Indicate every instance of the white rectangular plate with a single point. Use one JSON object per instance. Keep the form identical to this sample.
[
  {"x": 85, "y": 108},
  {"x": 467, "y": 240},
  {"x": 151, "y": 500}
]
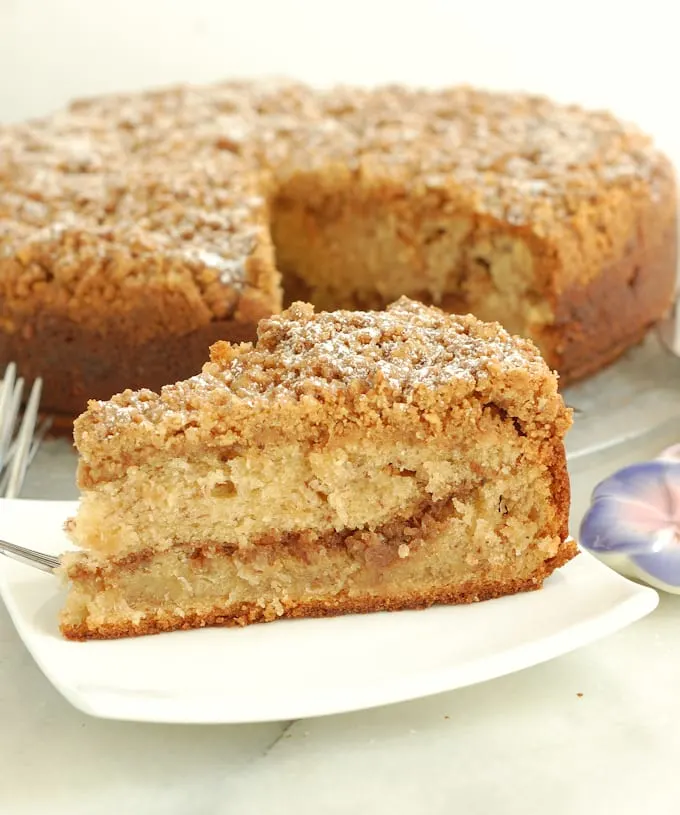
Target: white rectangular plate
[{"x": 300, "y": 668}]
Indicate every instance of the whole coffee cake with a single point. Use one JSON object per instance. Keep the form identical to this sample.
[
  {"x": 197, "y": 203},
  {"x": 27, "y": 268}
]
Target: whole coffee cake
[
  {"x": 350, "y": 461},
  {"x": 136, "y": 230}
]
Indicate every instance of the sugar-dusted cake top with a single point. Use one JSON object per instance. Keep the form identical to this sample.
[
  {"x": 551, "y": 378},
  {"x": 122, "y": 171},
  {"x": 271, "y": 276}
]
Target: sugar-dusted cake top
[
  {"x": 390, "y": 356},
  {"x": 516, "y": 157},
  {"x": 74, "y": 201},
  {"x": 405, "y": 347}
]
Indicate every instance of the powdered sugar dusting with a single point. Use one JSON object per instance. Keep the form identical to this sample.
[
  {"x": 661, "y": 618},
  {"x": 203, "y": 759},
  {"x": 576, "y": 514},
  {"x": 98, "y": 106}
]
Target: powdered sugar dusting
[
  {"x": 407, "y": 348},
  {"x": 187, "y": 165},
  {"x": 231, "y": 271}
]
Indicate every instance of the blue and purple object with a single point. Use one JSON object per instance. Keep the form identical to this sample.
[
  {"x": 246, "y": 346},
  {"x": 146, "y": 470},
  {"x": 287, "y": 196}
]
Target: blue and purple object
[{"x": 633, "y": 523}]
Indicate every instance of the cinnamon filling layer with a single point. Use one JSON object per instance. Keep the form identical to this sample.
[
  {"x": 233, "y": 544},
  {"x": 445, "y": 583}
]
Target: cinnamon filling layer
[{"x": 381, "y": 547}]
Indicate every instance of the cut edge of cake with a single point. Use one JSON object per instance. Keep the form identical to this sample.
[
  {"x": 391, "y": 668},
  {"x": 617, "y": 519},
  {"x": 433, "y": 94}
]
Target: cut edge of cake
[{"x": 349, "y": 462}]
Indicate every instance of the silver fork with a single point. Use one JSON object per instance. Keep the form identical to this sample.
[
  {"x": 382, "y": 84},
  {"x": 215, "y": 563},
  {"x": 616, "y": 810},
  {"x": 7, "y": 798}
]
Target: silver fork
[
  {"x": 46, "y": 563},
  {"x": 20, "y": 438}
]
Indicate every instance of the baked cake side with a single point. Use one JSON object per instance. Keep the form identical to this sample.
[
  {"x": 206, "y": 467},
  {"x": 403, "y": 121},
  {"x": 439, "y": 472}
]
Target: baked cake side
[
  {"x": 350, "y": 461},
  {"x": 158, "y": 210}
]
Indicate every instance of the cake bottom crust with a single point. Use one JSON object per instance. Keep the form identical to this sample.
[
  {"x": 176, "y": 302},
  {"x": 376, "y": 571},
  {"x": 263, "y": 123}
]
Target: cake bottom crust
[{"x": 242, "y": 614}]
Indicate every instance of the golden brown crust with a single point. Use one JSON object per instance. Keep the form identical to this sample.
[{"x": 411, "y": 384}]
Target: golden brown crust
[
  {"x": 556, "y": 460},
  {"x": 246, "y": 614}
]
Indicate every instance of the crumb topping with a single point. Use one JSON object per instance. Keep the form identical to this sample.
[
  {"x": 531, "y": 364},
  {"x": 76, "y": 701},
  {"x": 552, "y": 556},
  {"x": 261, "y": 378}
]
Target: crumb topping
[
  {"x": 406, "y": 349},
  {"x": 406, "y": 346},
  {"x": 183, "y": 174},
  {"x": 516, "y": 157},
  {"x": 71, "y": 204}
]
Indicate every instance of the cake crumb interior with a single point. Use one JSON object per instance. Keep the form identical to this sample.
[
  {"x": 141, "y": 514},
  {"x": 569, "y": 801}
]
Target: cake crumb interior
[{"x": 339, "y": 248}]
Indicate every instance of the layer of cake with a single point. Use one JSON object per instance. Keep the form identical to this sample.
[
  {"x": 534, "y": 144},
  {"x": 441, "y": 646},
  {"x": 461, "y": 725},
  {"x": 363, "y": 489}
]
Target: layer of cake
[
  {"x": 447, "y": 552},
  {"x": 507, "y": 205},
  {"x": 353, "y": 481}
]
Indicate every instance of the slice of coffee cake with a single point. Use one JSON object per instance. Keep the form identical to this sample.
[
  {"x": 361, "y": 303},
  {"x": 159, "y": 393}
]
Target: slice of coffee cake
[{"x": 349, "y": 462}]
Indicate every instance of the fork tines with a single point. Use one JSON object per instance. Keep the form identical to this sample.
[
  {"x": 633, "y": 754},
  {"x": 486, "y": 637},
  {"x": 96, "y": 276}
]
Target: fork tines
[
  {"x": 39, "y": 560},
  {"x": 19, "y": 437}
]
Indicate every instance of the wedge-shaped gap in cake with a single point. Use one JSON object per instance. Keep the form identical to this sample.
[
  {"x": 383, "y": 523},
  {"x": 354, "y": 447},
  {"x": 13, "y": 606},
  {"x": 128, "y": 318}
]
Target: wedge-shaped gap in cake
[{"x": 341, "y": 244}]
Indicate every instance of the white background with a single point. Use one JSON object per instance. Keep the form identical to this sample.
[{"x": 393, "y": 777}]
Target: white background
[{"x": 621, "y": 55}]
